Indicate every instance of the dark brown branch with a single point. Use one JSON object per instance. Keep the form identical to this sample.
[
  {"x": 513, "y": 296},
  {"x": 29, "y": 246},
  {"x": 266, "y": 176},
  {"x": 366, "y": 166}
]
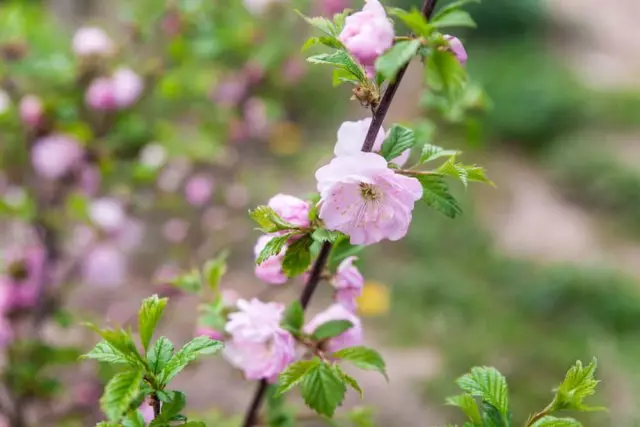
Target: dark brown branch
[{"x": 320, "y": 263}]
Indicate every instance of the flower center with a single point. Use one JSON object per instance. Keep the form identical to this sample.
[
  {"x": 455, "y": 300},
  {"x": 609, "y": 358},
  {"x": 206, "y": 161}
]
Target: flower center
[{"x": 369, "y": 192}]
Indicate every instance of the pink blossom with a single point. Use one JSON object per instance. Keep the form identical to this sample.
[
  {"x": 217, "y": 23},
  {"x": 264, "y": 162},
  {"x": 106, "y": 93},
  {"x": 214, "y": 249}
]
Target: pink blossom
[
  {"x": 100, "y": 95},
  {"x": 55, "y": 156},
  {"x": 89, "y": 180},
  {"x": 198, "y": 189},
  {"x": 108, "y": 214},
  {"x": 270, "y": 271},
  {"x": 362, "y": 197},
  {"x": 105, "y": 266},
  {"x": 457, "y": 48},
  {"x": 209, "y": 332},
  {"x": 258, "y": 345},
  {"x": 291, "y": 209},
  {"x": 331, "y": 7},
  {"x": 92, "y": 41},
  {"x": 351, "y": 337},
  {"x": 127, "y": 87},
  {"x": 348, "y": 283},
  {"x": 351, "y": 136},
  {"x": 23, "y": 277},
  {"x": 175, "y": 230},
  {"x": 367, "y": 34},
  {"x": 31, "y": 110}
]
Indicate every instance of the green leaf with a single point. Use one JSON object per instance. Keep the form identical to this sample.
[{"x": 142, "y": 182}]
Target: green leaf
[
  {"x": 397, "y": 57},
  {"x": 445, "y": 74},
  {"x": 149, "y": 316},
  {"x": 177, "y": 402},
  {"x": 436, "y": 194},
  {"x": 187, "y": 354},
  {"x": 269, "y": 221},
  {"x": 159, "y": 355},
  {"x": 469, "y": 406},
  {"x": 454, "y": 169},
  {"x": 298, "y": 256},
  {"x": 323, "y": 235},
  {"x": 341, "y": 75},
  {"x": 488, "y": 384},
  {"x": 322, "y": 24},
  {"x": 578, "y": 384},
  {"x": 103, "y": 352},
  {"x": 120, "y": 341},
  {"x": 455, "y": 18},
  {"x": 323, "y": 390},
  {"x": 328, "y": 41},
  {"x": 107, "y": 424},
  {"x": 454, "y": 6},
  {"x": 342, "y": 60},
  {"x": 550, "y": 421},
  {"x": 119, "y": 393},
  {"x": 189, "y": 282},
  {"x": 194, "y": 424},
  {"x": 433, "y": 152},
  {"x": 293, "y": 317},
  {"x": 477, "y": 174},
  {"x": 491, "y": 416},
  {"x": 294, "y": 374},
  {"x": 414, "y": 20},
  {"x": 364, "y": 358},
  {"x": 273, "y": 248},
  {"x": 399, "y": 140},
  {"x": 134, "y": 419},
  {"x": 349, "y": 380},
  {"x": 214, "y": 269},
  {"x": 342, "y": 249},
  {"x": 331, "y": 329}
]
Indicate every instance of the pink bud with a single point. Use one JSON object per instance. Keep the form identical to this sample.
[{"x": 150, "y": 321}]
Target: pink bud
[
  {"x": 291, "y": 209},
  {"x": 270, "y": 270},
  {"x": 104, "y": 266},
  {"x": 31, "y": 110},
  {"x": 92, "y": 41},
  {"x": 368, "y": 33},
  {"x": 100, "y": 95},
  {"x": 54, "y": 156},
  {"x": 198, "y": 189},
  {"x": 147, "y": 412},
  {"x": 127, "y": 87},
  {"x": 457, "y": 48}
]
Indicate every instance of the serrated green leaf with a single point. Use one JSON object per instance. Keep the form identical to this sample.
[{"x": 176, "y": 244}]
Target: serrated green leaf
[
  {"x": 579, "y": 383},
  {"x": 491, "y": 416},
  {"x": 364, "y": 358},
  {"x": 433, "y": 152},
  {"x": 453, "y": 6},
  {"x": 550, "y": 421},
  {"x": 469, "y": 406},
  {"x": 414, "y": 20},
  {"x": 349, "y": 380},
  {"x": 477, "y": 174},
  {"x": 331, "y": 329},
  {"x": 293, "y": 317},
  {"x": 134, "y": 419},
  {"x": 323, "y": 390},
  {"x": 103, "y": 352},
  {"x": 149, "y": 316},
  {"x": 445, "y": 74},
  {"x": 328, "y": 41},
  {"x": 189, "y": 282},
  {"x": 436, "y": 194},
  {"x": 294, "y": 374},
  {"x": 159, "y": 355},
  {"x": 269, "y": 221},
  {"x": 187, "y": 354},
  {"x": 322, "y": 24},
  {"x": 342, "y": 60},
  {"x": 488, "y": 384},
  {"x": 454, "y": 169},
  {"x": 122, "y": 342},
  {"x": 340, "y": 76},
  {"x": 399, "y": 140},
  {"x": 389, "y": 63},
  {"x": 297, "y": 258},
  {"x": 176, "y": 403},
  {"x": 454, "y": 18},
  {"x": 119, "y": 392},
  {"x": 274, "y": 246},
  {"x": 342, "y": 249},
  {"x": 322, "y": 235},
  {"x": 214, "y": 269}
]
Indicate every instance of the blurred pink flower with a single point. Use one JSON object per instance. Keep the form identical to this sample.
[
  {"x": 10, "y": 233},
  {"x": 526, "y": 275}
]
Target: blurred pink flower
[
  {"x": 457, "y": 48},
  {"x": 127, "y": 87},
  {"x": 100, "y": 95},
  {"x": 254, "y": 72},
  {"x": 258, "y": 7},
  {"x": 87, "y": 393},
  {"x": 363, "y": 198},
  {"x": 31, "y": 110},
  {"x": 255, "y": 117},
  {"x": 229, "y": 297},
  {"x": 351, "y": 136},
  {"x": 258, "y": 345},
  {"x": 89, "y": 180},
  {"x": 329, "y": 8},
  {"x": 229, "y": 92},
  {"x": 55, "y": 156},
  {"x": 175, "y": 230},
  {"x": 147, "y": 411},
  {"x": 209, "y": 332},
  {"x": 351, "y": 337},
  {"x": 198, "y": 189},
  {"x": 291, "y": 209},
  {"x": 367, "y": 34},
  {"x": 23, "y": 277},
  {"x": 107, "y": 214},
  {"x": 130, "y": 235},
  {"x": 270, "y": 271},
  {"x": 293, "y": 70},
  {"x": 104, "y": 265},
  {"x": 92, "y": 41},
  {"x": 348, "y": 283}
]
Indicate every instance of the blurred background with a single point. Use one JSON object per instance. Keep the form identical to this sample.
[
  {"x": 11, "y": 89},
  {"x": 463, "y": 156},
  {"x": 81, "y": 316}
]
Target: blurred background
[{"x": 536, "y": 273}]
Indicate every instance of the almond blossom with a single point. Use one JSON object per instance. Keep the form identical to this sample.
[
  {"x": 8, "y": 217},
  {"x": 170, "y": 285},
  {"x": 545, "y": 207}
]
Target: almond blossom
[
  {"x": 351, "y": 136},
  {"x": 349, "y": 338}
]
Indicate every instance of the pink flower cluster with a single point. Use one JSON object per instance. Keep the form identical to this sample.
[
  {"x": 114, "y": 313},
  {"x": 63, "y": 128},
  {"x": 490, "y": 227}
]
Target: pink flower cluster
[
  {"x": 367, "y": 34},
  {"x": 121, "y": 90}
]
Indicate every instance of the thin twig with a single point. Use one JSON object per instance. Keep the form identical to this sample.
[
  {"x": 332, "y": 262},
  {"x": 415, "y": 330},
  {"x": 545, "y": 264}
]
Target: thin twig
[{"x": 319, "y": 265}]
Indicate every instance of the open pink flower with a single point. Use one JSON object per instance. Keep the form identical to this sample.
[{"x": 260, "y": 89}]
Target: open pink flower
[
  {"x": 258, "y": 345},
  {"x": 89, "y": 41},
  {"x": 367, "y": 34},
  {"x": 291, "y": 209},
  {"x": 351, "y": 136},
  {"x": 348, "y": 283},
  {"x": 363, "y": 198},
  {"x": 351, "y": 337},
  {"x": 56, "y": 155},
  {"x": 270, "y": 271},
  {"x": 457, "y": 48}
]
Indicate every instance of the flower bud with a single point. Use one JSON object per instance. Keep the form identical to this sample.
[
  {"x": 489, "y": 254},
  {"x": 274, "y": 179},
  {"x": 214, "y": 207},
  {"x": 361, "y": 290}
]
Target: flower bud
[{"x": 457, "y": 48}]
